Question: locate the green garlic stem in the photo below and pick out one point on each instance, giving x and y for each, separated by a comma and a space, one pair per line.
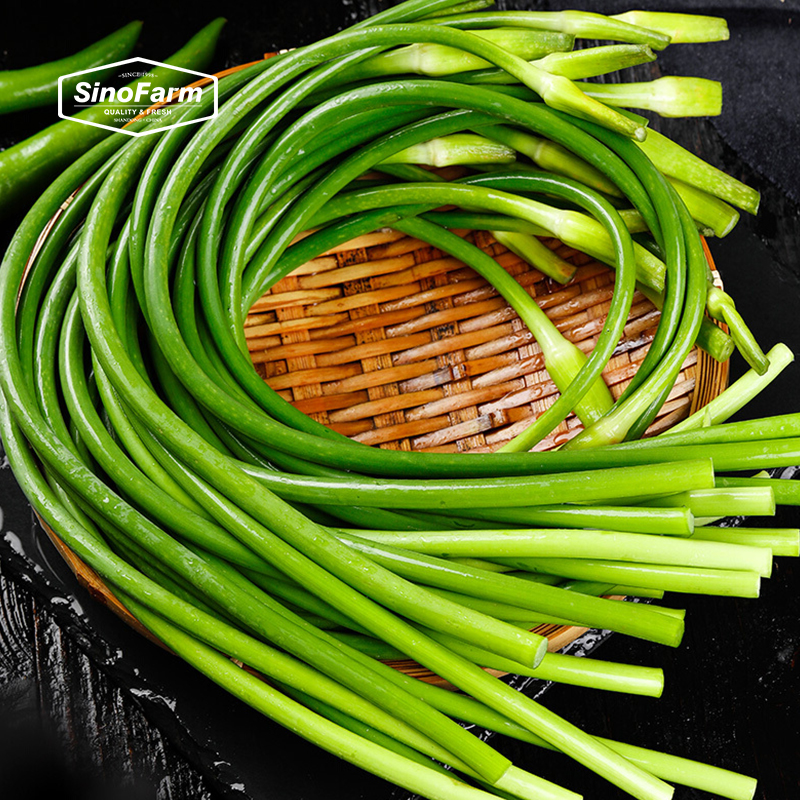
721, 307
681, 28
581, 24
467, 7
708, 211
552, 157
574, 544
575, 65
694, 580
538, 598
782, 541
456, 149
469, 220
662, 521
563, 359
739, 393
787, 492
677, 162
670, 96
357, 727
593, 61
574, 228
750, 501
436, 60
710, 338
606, 589
531, 250
590, 673
313, 727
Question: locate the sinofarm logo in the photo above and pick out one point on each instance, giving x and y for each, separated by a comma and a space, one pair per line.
111, 95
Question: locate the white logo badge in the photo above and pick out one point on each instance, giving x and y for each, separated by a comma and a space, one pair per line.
112, 99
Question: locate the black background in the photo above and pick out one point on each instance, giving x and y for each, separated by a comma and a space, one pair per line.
732, 686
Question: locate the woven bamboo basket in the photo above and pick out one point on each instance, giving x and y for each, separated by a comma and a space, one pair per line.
398, 345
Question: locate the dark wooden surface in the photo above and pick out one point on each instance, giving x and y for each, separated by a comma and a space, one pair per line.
74, 716
68, 730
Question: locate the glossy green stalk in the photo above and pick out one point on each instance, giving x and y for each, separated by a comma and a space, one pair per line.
679, 28
677, 162
781, 541
781, 426
708, 211
573, 544
670, 96
473, 220
581, 24
577, 65
695, 580
663, 521
720, 306
436, 60
534, 252
511, 782
465, 7
599, 589
291, 593
453, 617
456, 149
735, 456
515, 615
574, 228
538, 490
589, 62
552, 157
538, 598
749, 501
711, 338
515, 783
523, 617
589, 673
787, 492
313, 727
358, 727
164, 505
739, 393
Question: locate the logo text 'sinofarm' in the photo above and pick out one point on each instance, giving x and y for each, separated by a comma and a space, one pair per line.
111, 100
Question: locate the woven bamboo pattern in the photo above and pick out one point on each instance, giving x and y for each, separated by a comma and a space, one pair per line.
396, 344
